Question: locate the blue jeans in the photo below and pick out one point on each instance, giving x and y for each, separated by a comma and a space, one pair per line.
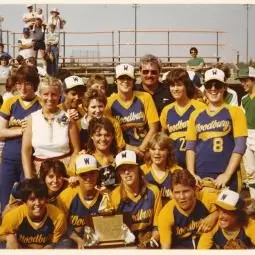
12, 172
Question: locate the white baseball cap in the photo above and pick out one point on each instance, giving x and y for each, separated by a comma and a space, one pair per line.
214, 74
229, 200
85, 163
29, 5
73, 81
126, 157
125, 69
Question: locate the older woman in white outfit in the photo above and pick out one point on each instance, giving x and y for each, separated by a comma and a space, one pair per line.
49, 133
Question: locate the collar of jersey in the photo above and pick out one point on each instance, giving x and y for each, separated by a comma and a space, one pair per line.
231, 237
126, 104
181, 110
217, 111
84, 202
36, 225
28, 105
157, 179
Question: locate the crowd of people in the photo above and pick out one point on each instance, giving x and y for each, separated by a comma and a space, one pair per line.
38, 36
165, 153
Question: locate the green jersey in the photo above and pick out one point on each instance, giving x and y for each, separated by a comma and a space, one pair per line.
248, 104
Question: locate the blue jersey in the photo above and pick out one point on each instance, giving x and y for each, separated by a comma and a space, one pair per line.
14, 110
140, 212
79, 210
134, 116
175, 119
214, 134
163, 184
177, 228
217, 238
29, 234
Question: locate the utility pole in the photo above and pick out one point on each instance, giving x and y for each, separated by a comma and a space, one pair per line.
247, 32
1, 32
135, 7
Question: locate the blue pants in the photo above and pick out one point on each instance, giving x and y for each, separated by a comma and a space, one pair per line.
52, 67
12, 172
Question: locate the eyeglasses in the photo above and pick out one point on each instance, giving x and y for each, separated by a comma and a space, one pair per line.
216, 85
153, 72
193, 52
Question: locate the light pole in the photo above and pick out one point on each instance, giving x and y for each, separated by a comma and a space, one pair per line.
247, 32
135, 7
1, 32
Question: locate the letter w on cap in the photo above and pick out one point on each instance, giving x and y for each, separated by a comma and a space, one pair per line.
223, 196
124, 155
86, 161
75, 79
214, 72
125, 68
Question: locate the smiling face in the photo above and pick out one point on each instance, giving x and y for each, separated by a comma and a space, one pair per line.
102, 140
95, 109
50, 97
227, 219
178, 91
185, 196
73, 97
214, 91
125, 85
158, 155
54, 182
150, 74
129, 175
248, 85
88, 180
25, 90
36, 207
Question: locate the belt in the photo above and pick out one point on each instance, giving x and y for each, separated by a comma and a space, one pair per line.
59, 157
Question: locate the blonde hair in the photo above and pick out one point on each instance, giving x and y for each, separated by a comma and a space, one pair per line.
51, 82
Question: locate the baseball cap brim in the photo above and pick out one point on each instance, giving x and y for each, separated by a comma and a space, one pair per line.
126, 163
125, 74
225, 206
215, 79
85, 170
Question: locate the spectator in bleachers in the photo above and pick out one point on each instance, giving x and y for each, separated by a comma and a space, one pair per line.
26, 44
196, 63
150, 67
52, 49
39, 14
33, 62
29, 16
38, 34
56, 20
4, 67
2, 52
19, 61
10, 86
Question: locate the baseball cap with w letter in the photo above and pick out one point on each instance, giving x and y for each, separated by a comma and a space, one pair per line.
125, 69
85, 163
214, 74
126, 157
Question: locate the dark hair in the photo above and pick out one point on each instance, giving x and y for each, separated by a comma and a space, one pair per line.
33, 186
193, 49
6, 58
225, 68
1, 100
32, 60
94, 94
164, 142
181, 75
29, 74
1, 44
97, 78
149, 58
183, 177
54, 165
11, 80
96, 124
20, 59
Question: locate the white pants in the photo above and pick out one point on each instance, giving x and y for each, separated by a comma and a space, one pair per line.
249, 156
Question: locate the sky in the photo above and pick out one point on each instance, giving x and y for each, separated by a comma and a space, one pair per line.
230, 18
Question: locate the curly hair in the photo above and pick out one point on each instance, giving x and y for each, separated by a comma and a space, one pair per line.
149, 58
181, 75
164, 142
93, 94
183, 177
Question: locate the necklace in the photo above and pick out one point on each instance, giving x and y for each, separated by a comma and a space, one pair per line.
50, 118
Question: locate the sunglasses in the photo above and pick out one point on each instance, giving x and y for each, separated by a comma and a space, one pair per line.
216, 85
153, 72
193, 52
